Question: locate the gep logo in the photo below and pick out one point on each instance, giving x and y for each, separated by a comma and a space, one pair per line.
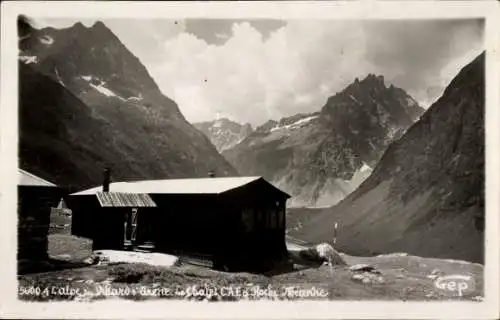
456, 283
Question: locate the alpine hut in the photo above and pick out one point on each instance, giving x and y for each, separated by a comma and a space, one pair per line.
235, 222
36, 197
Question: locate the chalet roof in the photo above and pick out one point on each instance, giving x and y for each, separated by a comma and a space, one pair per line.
118, 199
177, 186
29, 179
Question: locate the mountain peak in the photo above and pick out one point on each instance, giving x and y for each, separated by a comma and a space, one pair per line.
94, 50
222, 120
369, 82
373, 93
374, 79
79, 26
224, 133
99, 25
97, 32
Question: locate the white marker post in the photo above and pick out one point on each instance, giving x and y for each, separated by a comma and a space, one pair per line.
335, 234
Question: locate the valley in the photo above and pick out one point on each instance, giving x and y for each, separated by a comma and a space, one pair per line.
404, 184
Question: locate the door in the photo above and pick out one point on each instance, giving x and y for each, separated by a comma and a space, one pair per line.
131, 226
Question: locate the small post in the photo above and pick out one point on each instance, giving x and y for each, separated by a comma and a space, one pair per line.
125, 232
335, 234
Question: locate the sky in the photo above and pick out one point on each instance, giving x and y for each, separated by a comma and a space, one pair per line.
256, 70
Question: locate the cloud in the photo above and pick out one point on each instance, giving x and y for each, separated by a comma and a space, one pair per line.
211, 30
253, 79
298, 66
423, 56
253, 71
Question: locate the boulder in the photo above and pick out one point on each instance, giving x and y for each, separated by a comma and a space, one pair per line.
362, 267
330, 254
368, 278
322, 253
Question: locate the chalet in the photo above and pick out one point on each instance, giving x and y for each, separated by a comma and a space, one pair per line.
234, 221
36, 197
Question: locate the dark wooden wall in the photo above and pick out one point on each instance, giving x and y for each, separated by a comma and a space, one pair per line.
262, 221
85, 214
109, 231
189, 223
215, 225
104, 226
146, 225
34, 206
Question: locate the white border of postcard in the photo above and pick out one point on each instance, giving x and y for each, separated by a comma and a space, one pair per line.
10, 307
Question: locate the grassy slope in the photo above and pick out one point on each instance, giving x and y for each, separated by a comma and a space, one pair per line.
405, 277
296, 217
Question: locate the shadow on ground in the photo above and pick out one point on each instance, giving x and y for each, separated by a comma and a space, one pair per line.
27, 266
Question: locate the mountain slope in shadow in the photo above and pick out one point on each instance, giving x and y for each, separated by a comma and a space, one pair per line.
426, 195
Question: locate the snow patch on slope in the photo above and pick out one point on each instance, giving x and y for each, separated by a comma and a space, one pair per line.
28, 59
365, 168
354, 99
237, 142
358, 177
46, 40
296, 124
139, 98
25, 37
59, 77
335, 190
101, 88
105, 91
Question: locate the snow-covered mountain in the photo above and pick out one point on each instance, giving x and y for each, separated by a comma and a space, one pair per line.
320, 158
127, 123
224, 133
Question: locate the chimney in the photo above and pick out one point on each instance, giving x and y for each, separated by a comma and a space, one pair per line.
211, 174
106, 180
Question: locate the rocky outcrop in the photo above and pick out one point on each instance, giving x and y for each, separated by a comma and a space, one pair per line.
320, 158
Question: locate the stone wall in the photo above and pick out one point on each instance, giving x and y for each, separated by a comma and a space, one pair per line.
60, 221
